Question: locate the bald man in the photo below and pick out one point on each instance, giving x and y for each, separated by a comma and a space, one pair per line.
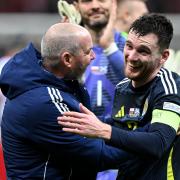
39, 88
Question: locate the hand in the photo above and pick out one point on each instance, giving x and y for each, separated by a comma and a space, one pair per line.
108, 36
85, 123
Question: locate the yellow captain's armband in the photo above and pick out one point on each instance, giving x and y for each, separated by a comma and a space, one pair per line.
166, 117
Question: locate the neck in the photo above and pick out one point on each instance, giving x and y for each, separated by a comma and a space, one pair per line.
55, 71
144, 80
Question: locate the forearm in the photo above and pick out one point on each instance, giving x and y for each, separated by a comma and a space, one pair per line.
105, 132
159, 138
116, 60
113, 158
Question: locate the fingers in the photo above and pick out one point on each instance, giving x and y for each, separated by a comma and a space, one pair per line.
108, 36
69, 125
74, 114
84, 112
76, 131
84, 109
69, 119
113, 12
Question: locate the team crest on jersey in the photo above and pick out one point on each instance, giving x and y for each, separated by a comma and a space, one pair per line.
134, 112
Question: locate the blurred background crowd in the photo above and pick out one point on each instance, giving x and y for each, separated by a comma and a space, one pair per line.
24, 20
49, 6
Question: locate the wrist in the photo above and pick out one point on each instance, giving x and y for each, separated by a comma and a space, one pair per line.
106, 132
111, 49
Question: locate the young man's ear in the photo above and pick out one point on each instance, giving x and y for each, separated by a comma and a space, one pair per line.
165, 55
66, 59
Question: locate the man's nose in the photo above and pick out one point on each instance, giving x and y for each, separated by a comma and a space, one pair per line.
132, 55
93, 55
95, 4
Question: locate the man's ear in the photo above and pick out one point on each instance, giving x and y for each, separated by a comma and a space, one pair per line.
164, 55
66, 59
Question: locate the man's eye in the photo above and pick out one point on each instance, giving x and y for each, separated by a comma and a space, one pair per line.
128, 46
144, 53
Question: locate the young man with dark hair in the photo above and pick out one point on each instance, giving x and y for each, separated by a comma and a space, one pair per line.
148, 97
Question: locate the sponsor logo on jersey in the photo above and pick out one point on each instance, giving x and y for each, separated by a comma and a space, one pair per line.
120, 113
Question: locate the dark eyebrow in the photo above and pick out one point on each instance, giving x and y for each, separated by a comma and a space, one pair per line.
144, 47
127, 41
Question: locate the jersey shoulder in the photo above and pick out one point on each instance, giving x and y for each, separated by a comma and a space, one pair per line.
167, 82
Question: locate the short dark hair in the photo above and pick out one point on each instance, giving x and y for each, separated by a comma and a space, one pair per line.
156, 24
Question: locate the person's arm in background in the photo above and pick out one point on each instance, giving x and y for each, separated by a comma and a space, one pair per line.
113, 43
152, 143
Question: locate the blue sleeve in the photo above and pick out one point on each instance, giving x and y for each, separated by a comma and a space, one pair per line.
152, 143
116, 59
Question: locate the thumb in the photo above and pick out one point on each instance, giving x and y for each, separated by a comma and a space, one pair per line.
85, 110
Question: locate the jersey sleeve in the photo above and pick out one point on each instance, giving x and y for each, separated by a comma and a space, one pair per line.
166, 100
152, 143
161, 132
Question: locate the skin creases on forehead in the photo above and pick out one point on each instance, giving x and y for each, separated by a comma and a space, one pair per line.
149, 40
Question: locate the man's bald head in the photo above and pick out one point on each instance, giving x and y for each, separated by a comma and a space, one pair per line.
60, 37
66, 50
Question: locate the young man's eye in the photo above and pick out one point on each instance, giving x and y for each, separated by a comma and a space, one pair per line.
128, 46
144, 52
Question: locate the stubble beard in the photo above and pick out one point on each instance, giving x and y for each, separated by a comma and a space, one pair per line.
76, 74
95, 25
